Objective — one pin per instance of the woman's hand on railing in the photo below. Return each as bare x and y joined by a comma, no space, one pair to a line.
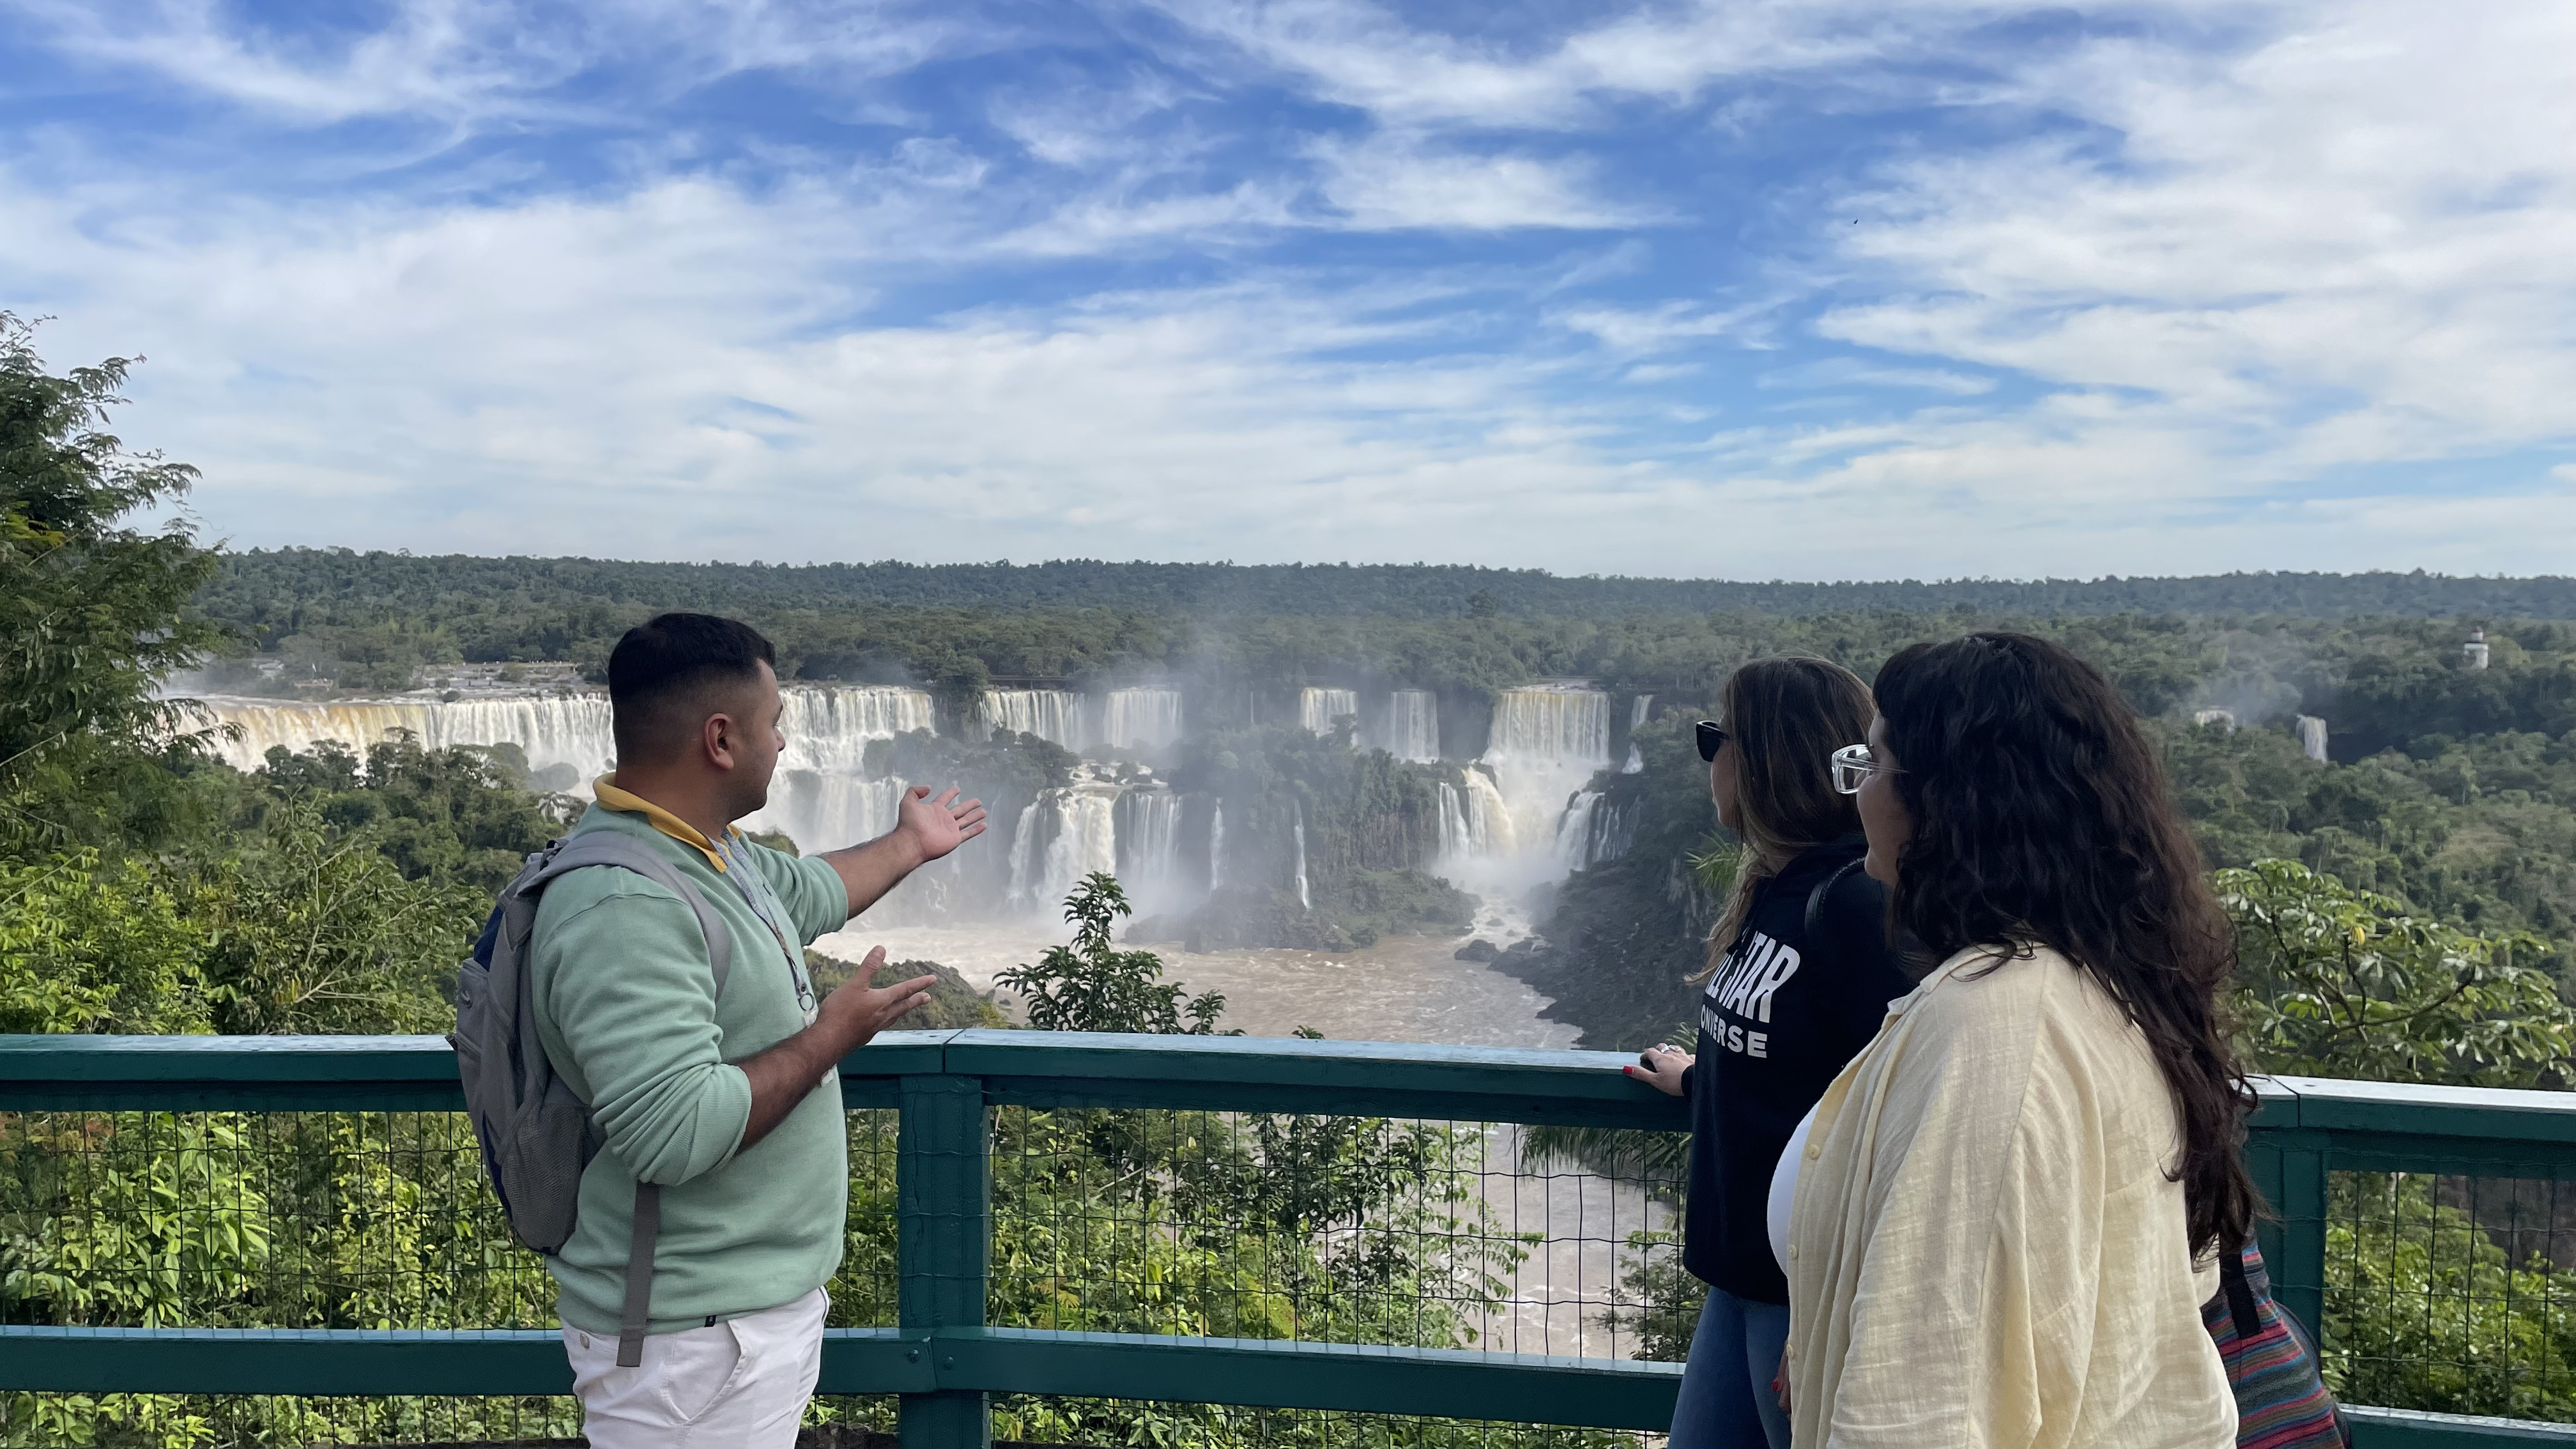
1661,1066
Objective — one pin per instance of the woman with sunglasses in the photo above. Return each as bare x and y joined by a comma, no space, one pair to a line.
2006,1209
1799,978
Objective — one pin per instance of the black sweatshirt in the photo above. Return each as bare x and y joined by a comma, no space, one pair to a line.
1780,1018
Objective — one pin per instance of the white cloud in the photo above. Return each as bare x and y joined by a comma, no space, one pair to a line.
1362,54
471,62
1392,181
1631,331
2346,244
2240,251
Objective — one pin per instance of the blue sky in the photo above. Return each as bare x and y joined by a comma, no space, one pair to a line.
1820,290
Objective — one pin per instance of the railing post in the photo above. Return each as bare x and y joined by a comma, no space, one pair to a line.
2289,1166
944,1192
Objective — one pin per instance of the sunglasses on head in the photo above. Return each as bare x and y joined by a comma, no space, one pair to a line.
1712,738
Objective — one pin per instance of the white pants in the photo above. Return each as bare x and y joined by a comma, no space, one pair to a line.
742,1382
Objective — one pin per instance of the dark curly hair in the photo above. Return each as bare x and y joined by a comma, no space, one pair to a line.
2041,816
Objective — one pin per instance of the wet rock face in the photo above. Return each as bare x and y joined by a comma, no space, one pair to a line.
1618,946
1479,949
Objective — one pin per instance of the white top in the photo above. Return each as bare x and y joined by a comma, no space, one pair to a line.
1784,1190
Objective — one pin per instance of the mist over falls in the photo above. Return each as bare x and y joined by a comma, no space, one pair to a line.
1315,816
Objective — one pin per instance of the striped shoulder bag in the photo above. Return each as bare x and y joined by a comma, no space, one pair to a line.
2272,1364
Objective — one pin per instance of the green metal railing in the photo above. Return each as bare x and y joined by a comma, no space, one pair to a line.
2324,1153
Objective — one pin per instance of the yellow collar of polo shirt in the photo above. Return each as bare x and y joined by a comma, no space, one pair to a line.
605,791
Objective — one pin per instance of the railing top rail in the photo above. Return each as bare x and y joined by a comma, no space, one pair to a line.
1395,1078
1039,1068
2404,1108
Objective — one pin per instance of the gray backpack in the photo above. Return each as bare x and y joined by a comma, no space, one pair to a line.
536,1135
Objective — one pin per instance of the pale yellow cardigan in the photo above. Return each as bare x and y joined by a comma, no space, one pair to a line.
1986,1251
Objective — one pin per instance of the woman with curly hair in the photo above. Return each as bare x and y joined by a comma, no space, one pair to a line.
2007,1208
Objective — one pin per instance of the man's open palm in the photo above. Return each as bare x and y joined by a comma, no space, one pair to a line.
938,826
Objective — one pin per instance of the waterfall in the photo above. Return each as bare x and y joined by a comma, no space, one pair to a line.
1573,848
828,728
1614,831
1454,841
1547,743
1303,899
824,811
1319,709
1636,721
2312,737
1024,856
1134,717
552,731
1475,827
1053,715
1064,835
1412,726
1216,848
1149,837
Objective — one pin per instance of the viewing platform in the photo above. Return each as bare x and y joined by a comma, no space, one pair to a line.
289,1235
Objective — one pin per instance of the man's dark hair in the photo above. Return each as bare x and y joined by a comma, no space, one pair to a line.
667,664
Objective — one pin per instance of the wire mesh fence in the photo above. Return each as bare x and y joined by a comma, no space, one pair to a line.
2454,1293
305,1220
1055,1420
1334,1229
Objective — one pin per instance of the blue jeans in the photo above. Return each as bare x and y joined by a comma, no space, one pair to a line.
1726,1400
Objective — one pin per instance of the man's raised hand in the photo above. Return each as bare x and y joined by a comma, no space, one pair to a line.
858,1010
936,827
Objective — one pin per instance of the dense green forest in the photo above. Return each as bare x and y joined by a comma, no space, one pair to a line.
284,591
2405,911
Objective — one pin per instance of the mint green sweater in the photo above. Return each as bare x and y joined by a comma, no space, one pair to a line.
626,1006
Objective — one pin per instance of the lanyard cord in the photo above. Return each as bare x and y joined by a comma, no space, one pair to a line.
735,865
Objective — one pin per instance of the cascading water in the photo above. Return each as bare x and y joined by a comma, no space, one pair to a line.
1080,841
1453,824
1636,721
1547,743
1319,709
1573,847
822,811
552,731
1412,726
1216,848
1303,899
1130,718
829,728
1149,839
819,796
1053,715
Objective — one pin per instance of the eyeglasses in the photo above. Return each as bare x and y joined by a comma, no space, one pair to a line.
1712,738
1853,765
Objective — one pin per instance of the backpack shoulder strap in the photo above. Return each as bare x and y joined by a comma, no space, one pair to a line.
1824,888
625,852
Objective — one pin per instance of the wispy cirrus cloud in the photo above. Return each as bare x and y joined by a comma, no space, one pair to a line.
2002,289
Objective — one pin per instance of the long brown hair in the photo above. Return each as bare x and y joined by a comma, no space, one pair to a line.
2041,816
1786,716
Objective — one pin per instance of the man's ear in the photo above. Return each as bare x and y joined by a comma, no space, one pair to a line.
720,740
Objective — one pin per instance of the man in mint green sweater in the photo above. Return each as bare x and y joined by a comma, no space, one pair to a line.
731,1102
